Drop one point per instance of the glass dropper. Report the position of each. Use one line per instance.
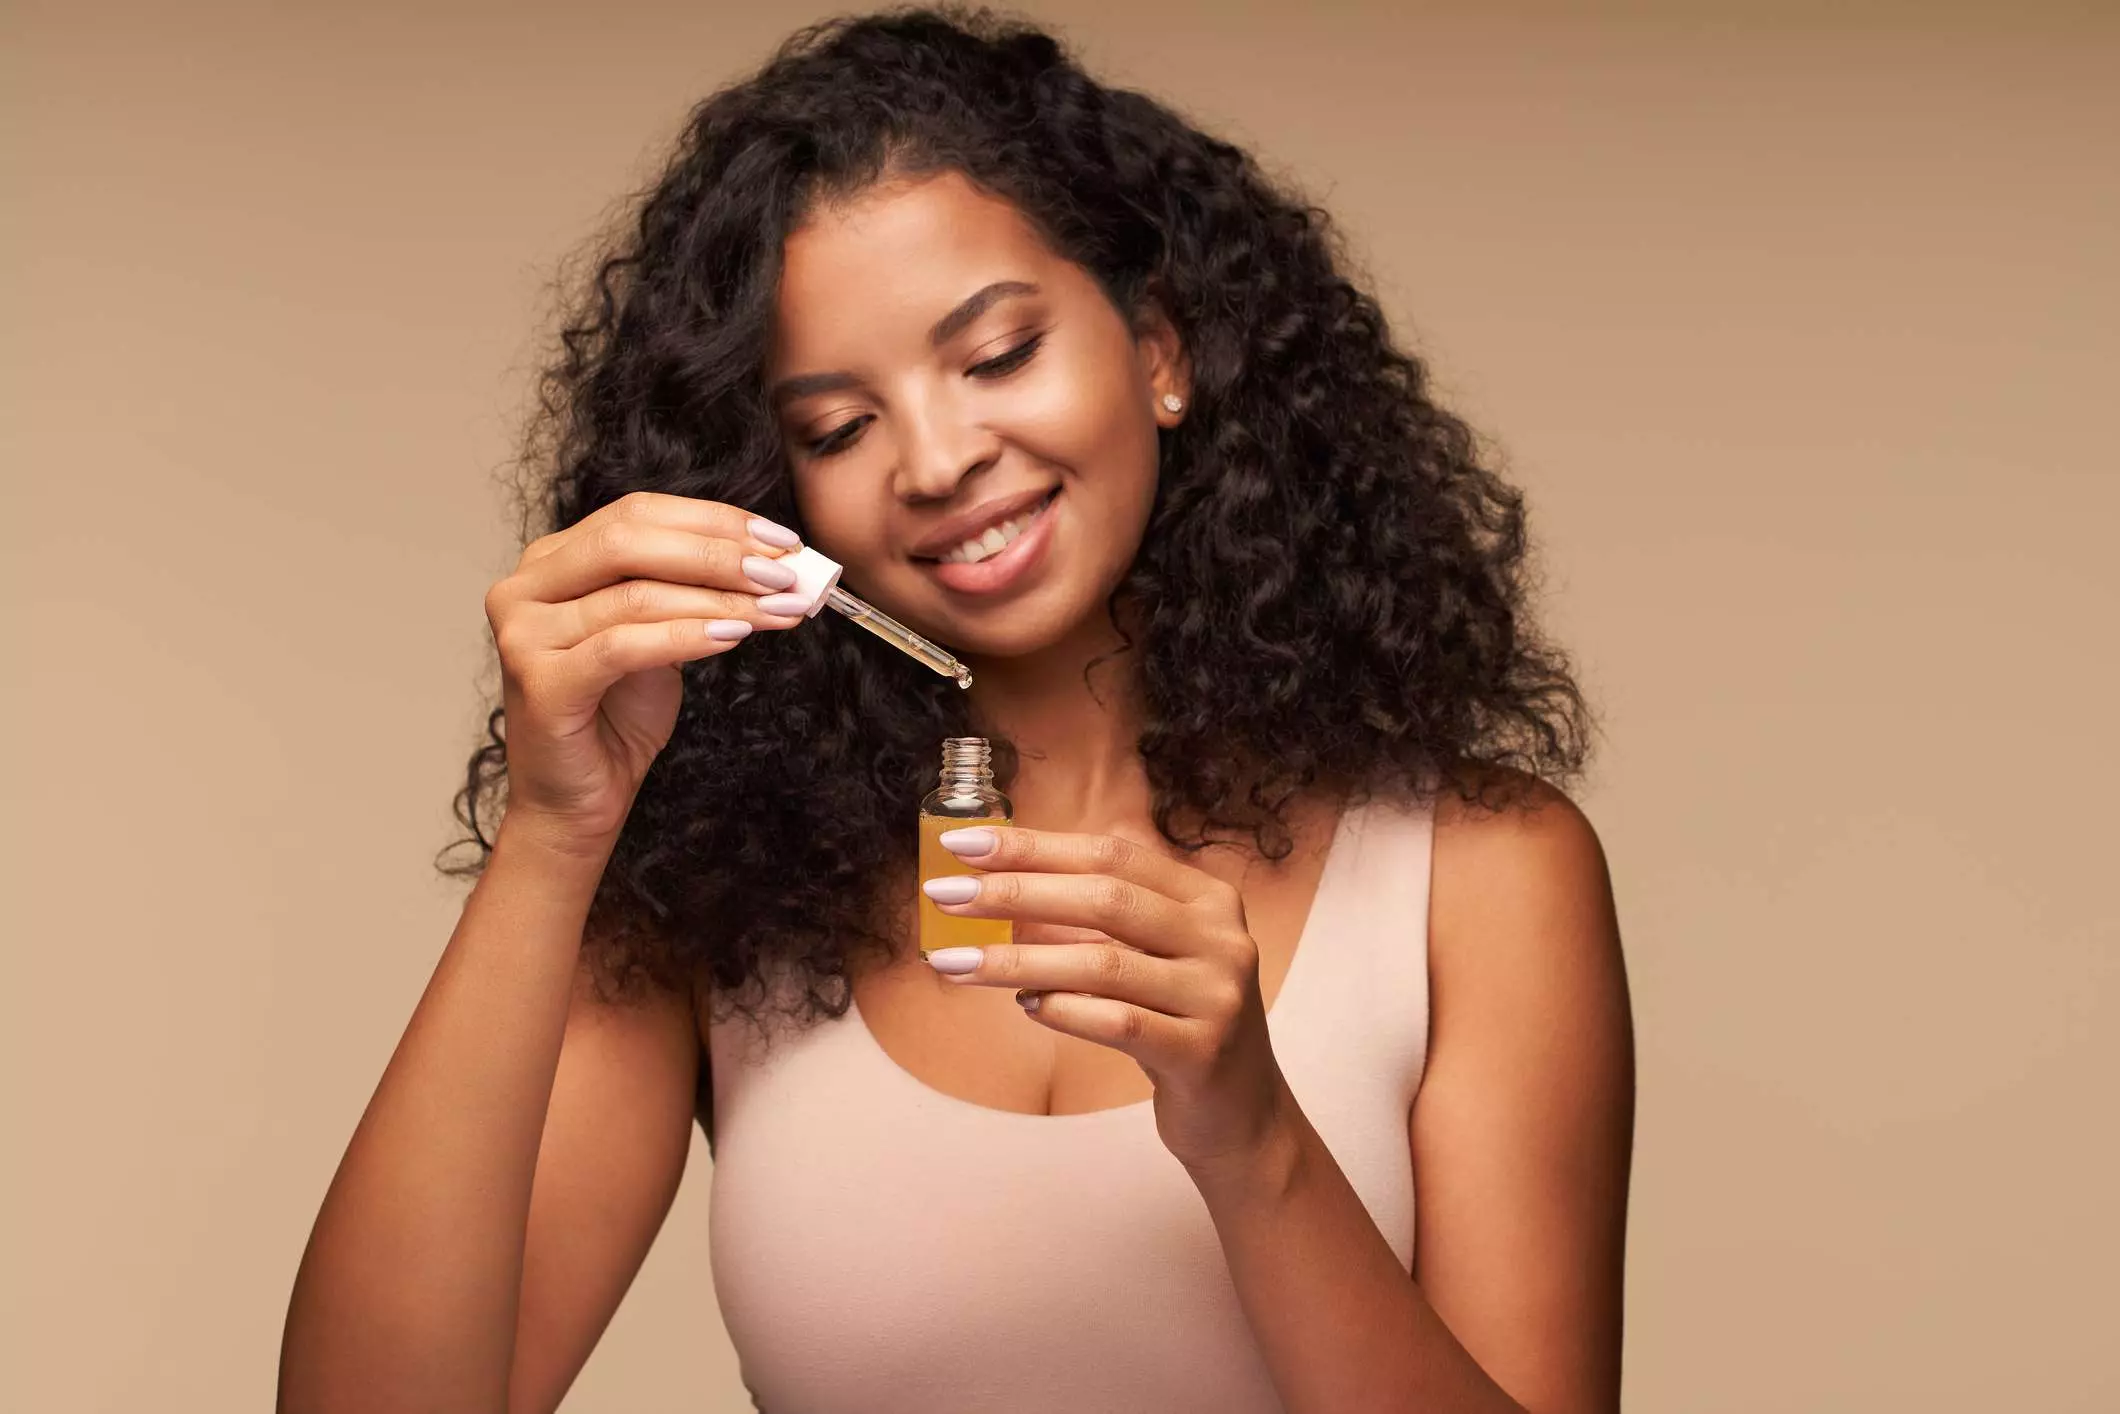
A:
(817, 581)
(896, 634)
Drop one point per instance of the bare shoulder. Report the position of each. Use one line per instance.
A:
(1521, 914)
(1521, 853)
(1521, 1131)
(1518, 831)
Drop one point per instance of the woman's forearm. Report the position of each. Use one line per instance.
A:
(406, 1295)
(1343, 1328)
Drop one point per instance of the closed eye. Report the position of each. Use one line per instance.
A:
(839, 438)
(1001, 365)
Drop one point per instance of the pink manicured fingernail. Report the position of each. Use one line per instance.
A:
(955, 889)
(727, 630)
(786, 606)
(767, 533)
(954, 960)
(969, 844)
(768, 574)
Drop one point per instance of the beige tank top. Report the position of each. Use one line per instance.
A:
(879, 1247)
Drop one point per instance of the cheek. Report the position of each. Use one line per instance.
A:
(1092, 420)
(834, 520)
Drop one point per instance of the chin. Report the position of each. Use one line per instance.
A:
(1038, 625)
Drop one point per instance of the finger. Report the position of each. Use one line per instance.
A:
(1111, 970)
(651, 600)
(1060, 852)
(578, 678)
(694, 513)
(1149, 1037)
(1133, 914)
(1022, 930)
(636, 549)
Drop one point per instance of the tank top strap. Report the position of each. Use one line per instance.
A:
(1357, 990)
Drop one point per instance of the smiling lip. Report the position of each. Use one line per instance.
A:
(1006, 567)
(960, 528)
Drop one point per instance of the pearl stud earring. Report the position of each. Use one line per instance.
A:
(1173, 403)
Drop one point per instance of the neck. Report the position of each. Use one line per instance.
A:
(1078, 763)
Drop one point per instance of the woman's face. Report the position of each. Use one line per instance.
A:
(947, 385)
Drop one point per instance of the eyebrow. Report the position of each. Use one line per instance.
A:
(948, 327)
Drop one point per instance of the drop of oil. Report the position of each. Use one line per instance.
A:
(964, 677)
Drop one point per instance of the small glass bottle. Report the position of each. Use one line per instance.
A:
(965, 798)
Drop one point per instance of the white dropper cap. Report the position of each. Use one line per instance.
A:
(815, 575)
(817, 584)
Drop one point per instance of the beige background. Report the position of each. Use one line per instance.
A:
(1799, 329)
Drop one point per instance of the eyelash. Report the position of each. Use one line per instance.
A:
(1006, 363)
(999, 366)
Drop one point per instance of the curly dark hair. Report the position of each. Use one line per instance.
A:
(1330, 594)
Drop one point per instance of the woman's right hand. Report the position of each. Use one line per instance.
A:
(591, 627)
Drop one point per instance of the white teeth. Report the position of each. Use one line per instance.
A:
(996, 539)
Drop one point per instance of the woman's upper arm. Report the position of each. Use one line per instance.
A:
(1522, 1131)
(616, 1135)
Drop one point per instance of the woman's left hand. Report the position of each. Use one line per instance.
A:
(1122, 946)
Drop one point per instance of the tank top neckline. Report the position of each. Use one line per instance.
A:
(1335, 861)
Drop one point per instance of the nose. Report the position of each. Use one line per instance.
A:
(940, 447)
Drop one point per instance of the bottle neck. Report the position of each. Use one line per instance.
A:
(967, 765)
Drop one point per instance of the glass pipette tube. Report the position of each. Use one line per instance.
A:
(896, 634)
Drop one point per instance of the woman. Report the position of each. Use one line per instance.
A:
(1248, 631)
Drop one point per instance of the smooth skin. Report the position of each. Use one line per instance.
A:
(1119, 946)
(526, 1139)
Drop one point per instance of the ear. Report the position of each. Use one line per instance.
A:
(1165, 369)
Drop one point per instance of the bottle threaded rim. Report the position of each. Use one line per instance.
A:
(967, 761)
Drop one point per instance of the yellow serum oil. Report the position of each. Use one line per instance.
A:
(966, 798)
